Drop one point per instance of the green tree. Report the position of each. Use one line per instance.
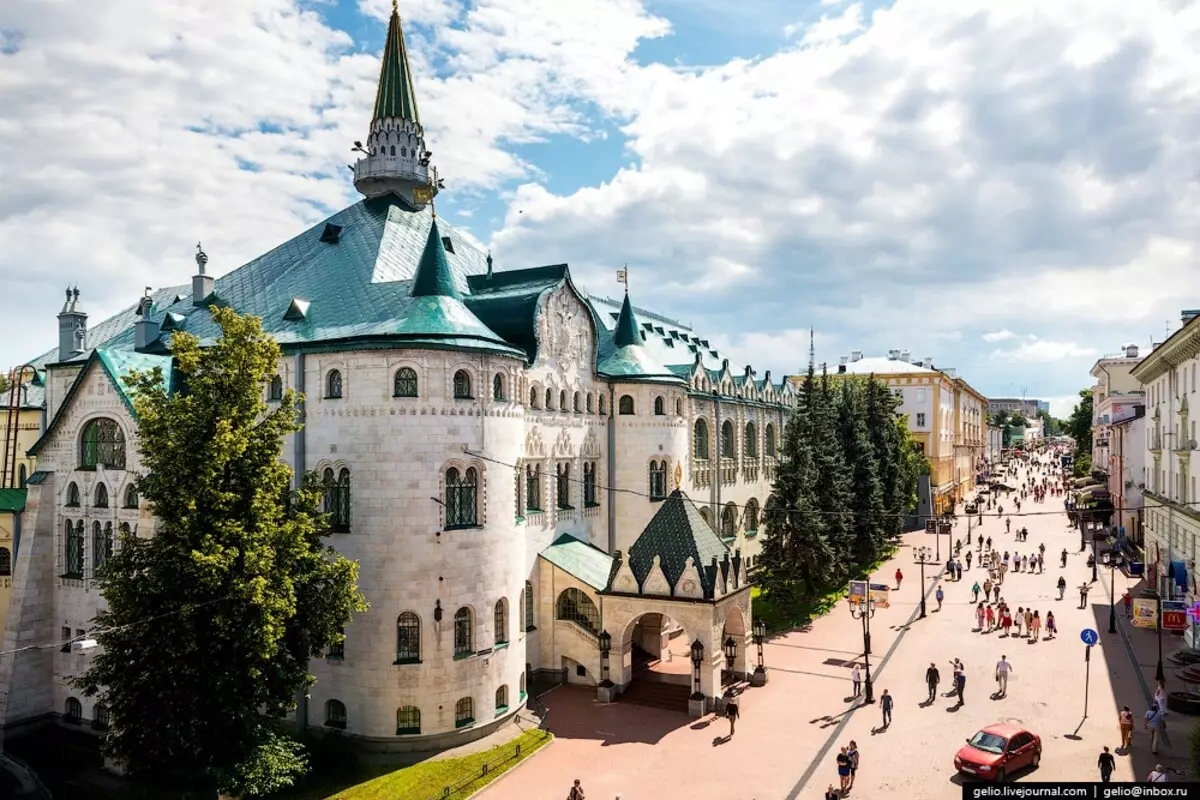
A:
(1082, 466)
(4, 384)
(888, 433)
(867, 524)
(211, 621)
(1079, 424)
(913, 463)
(1000, 419)
(833, 486)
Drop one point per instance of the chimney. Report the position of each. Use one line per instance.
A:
(856, 355)
(893, 355)
(1189, 314)
(1131, 351)
(906, 355)
(202, 284)
(72, 327)
(145, 330)
(842, 367)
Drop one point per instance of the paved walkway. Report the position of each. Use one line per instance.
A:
(785, 742)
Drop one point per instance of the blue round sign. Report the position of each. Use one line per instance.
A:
(1089, 636)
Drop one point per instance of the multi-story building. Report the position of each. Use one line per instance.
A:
(1116, 390)
(1126, 470)
(521, 470)
(945, 414)
(1014, 405)
(995, 443)
(20, 426)
(1168, 376)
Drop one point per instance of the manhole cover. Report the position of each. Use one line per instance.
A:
(1013, 721)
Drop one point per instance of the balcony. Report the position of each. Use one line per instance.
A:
(728, 471)
(701, 473)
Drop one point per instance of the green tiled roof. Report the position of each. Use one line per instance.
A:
(625, 333)
(37, 478)
(586, 562)
(631, 361)
(12, 500)
(676, 532)
(396, 96)
(507, 303)
(433, 276)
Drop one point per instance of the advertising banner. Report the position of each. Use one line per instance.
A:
(858, 592)
(880, 594)
(1174, 615)
(1145, 612)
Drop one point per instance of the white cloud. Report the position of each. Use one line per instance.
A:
(998, 336)
(1044, 351)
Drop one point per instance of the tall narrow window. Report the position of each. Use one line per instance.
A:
(751, 516)
(625, 405)
(700, 439)
(528, 610)
(408, 720)
(562, 401)
(603, 404)
(501, 621)
(729, 521)
(333, 384)
(549, 399)
(497, 386)
(577, 405)
(72, 495)
(74, 554)
(408, 638)
(679, 408)
(658, 480)
(337, 650)
(502, 700)
(103, 445)
(563, 486)
(591, 404)
(335, 714)
(464, 712)
(727, 449)
(74, 711)
(131, 496)
(101, 500)
(660, 406)
(769, 440)
(589, 484)
(102, 543)
(462, 493)
(101, 718)
(5, 561)
(462, 385)
(405, 383)
(463, 640)
(533, 487)
(275, 392)
(751, 448)
(336, 500)
(533, 397)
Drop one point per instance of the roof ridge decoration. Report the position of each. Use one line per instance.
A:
(433, 277)
(396, 96)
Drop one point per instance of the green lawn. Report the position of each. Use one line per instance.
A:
(425, 781)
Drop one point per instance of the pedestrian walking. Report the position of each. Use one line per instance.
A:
(1064, 557)
(1019, 620)
(960, 683)
(843, 770)
(853, 753)
(987, 588)
(979, 617)
(968, 559)
(1041, 563)
(991, 619)
(989, 543)
(1006, 622)
(856, 680)
(1029, 622)
(975, 592)
(1051, 627)
(576, 791)
(958, 569)
(1125, 722)
(899, 577)
(932, 679)
(939, 595)
(1062, 587)
(885, 705)
(1035, 626)
(832, 793)
(1107, 764)
(731, 714)
(1157, 775)
(1003, 670)
(1155, 722)
(1160, 697)
(1083, 593)
(1128, 600)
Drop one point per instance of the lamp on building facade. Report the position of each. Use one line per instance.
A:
(697, 659)
(437, 611)
(605, 641)
(759, 632)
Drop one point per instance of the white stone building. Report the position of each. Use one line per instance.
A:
(516, 466)
(1114, 393)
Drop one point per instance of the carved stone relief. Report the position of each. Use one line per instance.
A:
(535, 447)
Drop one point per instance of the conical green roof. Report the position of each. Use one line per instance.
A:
(626, 334)
(396, 97)
(433, 277)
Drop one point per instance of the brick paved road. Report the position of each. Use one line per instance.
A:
(783, 747)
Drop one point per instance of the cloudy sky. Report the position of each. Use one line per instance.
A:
(1009, 187)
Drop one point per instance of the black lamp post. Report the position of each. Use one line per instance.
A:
(760, 635)
(605, 641)
(697, 659)
(1095, 577)
(921, 554)
(1159, 675)
(864, 611)
(1112, 593)
(730, 653)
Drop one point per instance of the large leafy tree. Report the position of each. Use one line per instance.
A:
(211, 621)
(1079, 424)
(866, 491)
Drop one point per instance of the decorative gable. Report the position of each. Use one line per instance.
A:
(535, 447)
(689, 584)
(656, 582)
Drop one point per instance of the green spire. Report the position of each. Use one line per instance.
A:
(433, 277)
(396, 97)
(626, 332)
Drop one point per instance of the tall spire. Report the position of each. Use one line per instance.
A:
(812, 348)
(395, 97)
(433, 277)
(626, 332)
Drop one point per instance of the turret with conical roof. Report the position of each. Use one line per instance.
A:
(395, 160)
(627, 357)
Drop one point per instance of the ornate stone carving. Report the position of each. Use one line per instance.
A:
(564, 447)
(678, 475)
(591, 445)
(656, 582)
(535, 447)
(564, 331)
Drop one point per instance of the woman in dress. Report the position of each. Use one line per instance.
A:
(1035, 626)
(1051, 630)
(1125, 720)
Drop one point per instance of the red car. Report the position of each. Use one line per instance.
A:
(998, 751)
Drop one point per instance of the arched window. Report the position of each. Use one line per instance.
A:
(393, 150)
(562, 486)
(408, 638)
(103, 445)
(102, 542)
(751, 516)
(562, 401)
(603, 405)
(464, 712)
(679, 408)
(707, 514)
(408, 720)
(751, 448)
(533, 397)
(101, 719)
(729, 521)
(462, 494)
(73, 713)
(72, 495)
(275, 391)
(5, 561)
(501, 621)
(549, 400)
(463, 638)
(577, 404)
(131, 496)
(333, 384)
(533, 487)
(727, 449)
(502, 699)
(700, 439)
(22, 476)
(625, 405)
(769, 440)
(336, 491)
(405, 383)
(335, 714)
(497, 386)
(101, 500)
(529, 626)
(462, 385)
(74, 553)
(575, 606)
(591, 404)
(660, 406)
(658, 480)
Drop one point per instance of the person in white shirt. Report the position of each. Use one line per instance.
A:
(1157, 775)
(856, 679)
(1003, 669)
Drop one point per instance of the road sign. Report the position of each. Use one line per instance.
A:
(1089, 636)
(1174, 615)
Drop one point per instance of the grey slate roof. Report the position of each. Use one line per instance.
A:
(586, 562)
(674, 533)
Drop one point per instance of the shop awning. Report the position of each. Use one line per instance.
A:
(1177, 572)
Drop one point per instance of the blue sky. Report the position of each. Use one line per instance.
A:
(1008, 188)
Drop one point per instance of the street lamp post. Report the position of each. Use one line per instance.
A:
(605, 642)
(759, 631)
(1094, 558)
(864, 611)
(1159, 675)
(921, 555)
(1112, 593)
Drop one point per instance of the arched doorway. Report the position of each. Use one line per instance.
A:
(659, 668)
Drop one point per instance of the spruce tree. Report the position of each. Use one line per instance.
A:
(833, 481)
(212, 619)
(867, 522)
(887, 443)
